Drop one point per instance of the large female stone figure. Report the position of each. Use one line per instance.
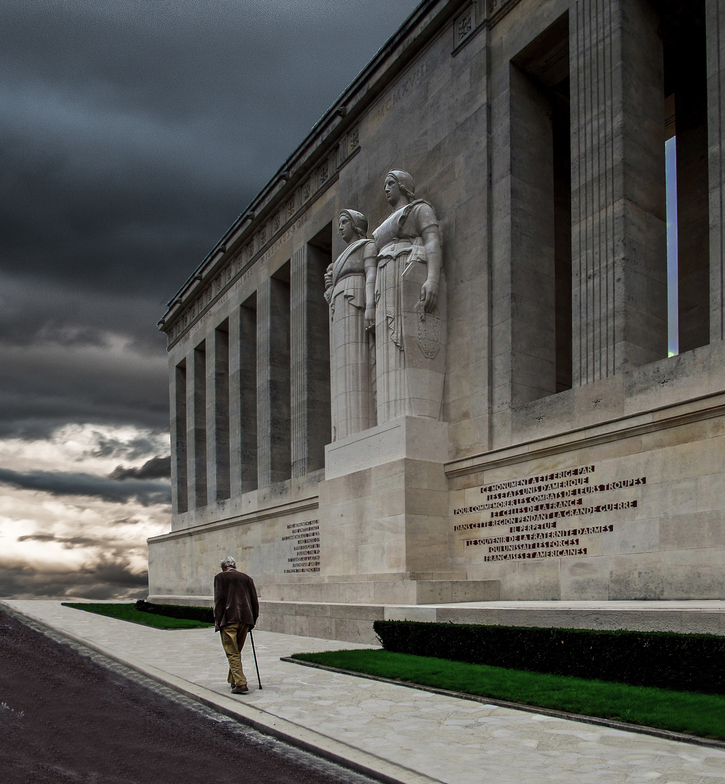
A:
(350, 291)
(410, 306)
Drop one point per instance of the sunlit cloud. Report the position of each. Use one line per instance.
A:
(99, 448)
(81, 532)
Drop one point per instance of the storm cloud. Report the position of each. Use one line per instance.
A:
(156, 468)
(132, 135)
(112, 490)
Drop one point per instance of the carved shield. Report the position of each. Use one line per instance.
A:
(429, 332)
(424, 334)
(424, 343)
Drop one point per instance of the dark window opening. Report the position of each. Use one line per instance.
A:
(319, 426)
(200, 492)
(248, 392)
(541, 216)
(279, 376)
(180, 426)
(221, 411)
(682, 28)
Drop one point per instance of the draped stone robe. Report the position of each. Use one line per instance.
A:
(410, 343)
(352, 349)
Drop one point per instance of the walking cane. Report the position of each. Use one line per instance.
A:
(251, 637)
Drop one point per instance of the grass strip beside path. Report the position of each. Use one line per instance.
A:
(688, 712)
(128, 612)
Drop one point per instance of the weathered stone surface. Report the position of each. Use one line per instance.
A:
(350, 292)
(555, 452)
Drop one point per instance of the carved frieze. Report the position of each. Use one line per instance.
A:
(494, 6)
(400, 93)
(464, 25)
(354, 140)
(269, 236)
(475, 15)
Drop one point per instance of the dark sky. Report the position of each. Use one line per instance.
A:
(132, 134)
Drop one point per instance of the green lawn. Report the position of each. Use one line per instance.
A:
(128, 612)
(689, 712)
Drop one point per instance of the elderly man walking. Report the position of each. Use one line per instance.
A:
(235, 612)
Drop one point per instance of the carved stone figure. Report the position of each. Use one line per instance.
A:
(350, 291)
(410, 306)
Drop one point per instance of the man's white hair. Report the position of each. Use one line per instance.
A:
(229, 561)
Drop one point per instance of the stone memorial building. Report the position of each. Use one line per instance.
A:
(429, 363)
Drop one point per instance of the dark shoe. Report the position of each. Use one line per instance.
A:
(240, 689)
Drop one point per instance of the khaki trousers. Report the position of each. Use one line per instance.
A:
(233, 638)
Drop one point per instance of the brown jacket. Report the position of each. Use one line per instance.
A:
(235, 599)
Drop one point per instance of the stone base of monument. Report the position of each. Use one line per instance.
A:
(408, 588)
(414, 438)
(617, 494)
(383, 511)
(354, 622)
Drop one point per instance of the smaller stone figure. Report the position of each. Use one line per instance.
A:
(350, 292)
(410, 306)
(236, 609)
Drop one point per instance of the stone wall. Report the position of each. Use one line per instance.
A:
(536, 132)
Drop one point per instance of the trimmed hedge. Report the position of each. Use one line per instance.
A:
(205, 614)
(684, 662)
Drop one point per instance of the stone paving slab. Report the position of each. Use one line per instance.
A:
(403, 734)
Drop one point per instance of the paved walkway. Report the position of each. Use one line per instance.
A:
(400, 734)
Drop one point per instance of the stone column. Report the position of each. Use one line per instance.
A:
(236, 423)
(716, 162)
(210, 421)
(179, 470)
(218, 375)
(310, 360)
(247, 388)
(243, 398)
(619, 298)
(273, 382)
(196, 422)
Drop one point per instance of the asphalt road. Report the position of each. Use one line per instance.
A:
(67, 717)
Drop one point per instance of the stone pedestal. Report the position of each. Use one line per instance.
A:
(383, 513)
(415, 438)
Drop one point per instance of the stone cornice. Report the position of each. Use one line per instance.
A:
(313, 167)
(628, 426)
(266, 513)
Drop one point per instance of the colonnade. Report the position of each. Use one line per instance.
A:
(251, 400)
(578, 278)
(579, 263)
